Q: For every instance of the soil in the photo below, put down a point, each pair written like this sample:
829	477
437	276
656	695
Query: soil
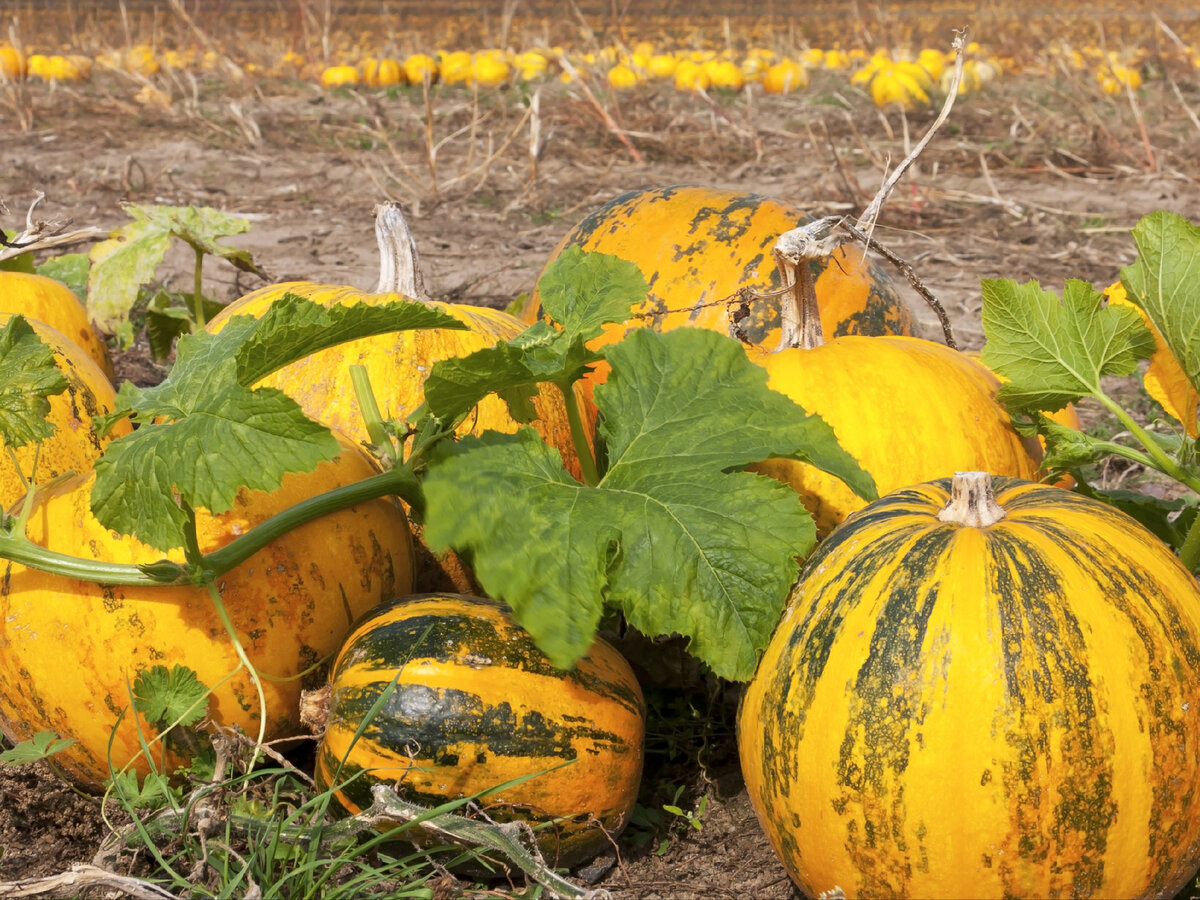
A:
1033	178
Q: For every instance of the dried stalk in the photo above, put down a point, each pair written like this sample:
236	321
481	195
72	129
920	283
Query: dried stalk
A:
609	123
41	234
80	878
794	249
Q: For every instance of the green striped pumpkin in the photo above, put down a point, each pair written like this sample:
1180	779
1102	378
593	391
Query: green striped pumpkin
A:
959	705
475	705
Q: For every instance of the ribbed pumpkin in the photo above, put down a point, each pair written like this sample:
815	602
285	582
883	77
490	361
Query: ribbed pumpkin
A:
909	410
698	245
52	302
70	649
476	704
978	694
397	363
74	445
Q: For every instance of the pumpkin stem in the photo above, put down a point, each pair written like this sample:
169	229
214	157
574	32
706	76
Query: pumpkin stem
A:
972	501
800	316
314	709
399	270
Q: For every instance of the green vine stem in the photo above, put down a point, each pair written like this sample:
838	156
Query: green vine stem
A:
587	462
197	294
17	547
231	630
1157	458
373	419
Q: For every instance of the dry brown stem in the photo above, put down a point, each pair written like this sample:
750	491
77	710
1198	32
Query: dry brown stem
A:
80	878
42	234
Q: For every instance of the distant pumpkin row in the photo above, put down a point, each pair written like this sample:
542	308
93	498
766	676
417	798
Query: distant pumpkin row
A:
889	76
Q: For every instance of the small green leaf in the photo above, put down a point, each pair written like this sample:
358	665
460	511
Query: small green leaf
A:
41	746
70	269
674	535
120	266
170	697
28	378
583	291
1164	282
155	792
1055	352
201	226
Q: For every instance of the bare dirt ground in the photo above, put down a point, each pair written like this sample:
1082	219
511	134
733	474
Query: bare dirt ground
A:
1033	178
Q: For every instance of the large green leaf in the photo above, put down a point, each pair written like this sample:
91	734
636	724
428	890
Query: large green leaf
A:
674	535
204	432
1053	352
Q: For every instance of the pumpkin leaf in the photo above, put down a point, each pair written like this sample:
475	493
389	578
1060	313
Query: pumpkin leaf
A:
41	746
674	535
1056	351
28	378
201	226
70	269
120	266
584	291
204	433
1162	282
581	292
132	254
169	697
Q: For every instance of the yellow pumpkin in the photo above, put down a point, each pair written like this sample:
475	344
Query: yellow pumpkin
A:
52	302
70	649
697	246
74	445
909	410
982	688
472	704
397	363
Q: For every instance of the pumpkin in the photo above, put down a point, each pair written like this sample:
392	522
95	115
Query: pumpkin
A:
74	445
70	649
397	363
697	246
476	704
52	302
908	409
982	688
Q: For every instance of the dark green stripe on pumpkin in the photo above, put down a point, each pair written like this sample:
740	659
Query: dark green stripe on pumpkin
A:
443	636
438	722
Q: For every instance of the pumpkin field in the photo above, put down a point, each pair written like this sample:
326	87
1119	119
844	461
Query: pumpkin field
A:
529	449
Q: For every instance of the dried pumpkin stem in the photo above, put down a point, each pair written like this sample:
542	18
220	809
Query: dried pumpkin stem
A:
399	268
972	502
800	316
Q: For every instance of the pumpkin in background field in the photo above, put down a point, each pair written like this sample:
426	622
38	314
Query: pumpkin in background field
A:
398	363
52	302
697	246
476	704
70	649
74	445
982	695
